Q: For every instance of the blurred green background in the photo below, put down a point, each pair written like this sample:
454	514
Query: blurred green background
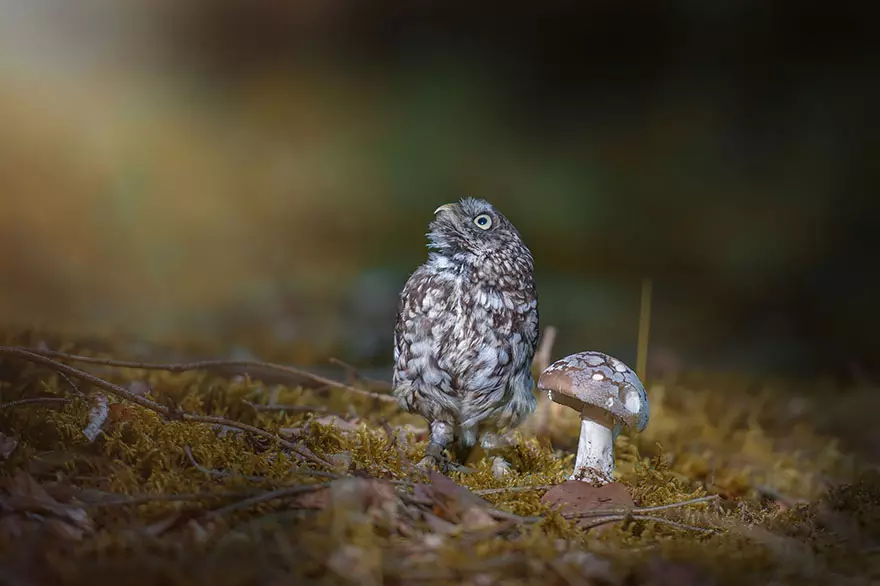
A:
262	173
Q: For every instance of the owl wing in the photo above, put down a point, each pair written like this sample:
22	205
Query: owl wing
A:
424	318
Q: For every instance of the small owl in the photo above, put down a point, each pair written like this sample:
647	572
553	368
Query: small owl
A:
467	328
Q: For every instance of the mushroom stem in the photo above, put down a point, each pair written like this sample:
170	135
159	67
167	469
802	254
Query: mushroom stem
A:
595	455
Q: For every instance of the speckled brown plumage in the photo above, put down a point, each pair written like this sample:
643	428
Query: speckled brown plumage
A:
467	328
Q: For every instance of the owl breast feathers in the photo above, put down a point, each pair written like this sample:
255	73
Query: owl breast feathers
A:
467	325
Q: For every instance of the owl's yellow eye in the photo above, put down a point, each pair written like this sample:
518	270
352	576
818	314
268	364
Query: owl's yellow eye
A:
483	221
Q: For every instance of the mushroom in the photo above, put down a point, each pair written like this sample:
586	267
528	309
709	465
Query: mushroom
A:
607	393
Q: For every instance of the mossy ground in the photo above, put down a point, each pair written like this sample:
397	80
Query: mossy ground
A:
795	507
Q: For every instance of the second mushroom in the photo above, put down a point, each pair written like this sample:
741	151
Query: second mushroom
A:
607	394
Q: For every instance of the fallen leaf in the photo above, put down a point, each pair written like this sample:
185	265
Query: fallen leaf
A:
457	504
33	506
576	497
7	445
120	412
319	499
438	525
660	572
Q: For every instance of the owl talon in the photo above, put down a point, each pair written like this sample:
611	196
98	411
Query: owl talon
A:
427	463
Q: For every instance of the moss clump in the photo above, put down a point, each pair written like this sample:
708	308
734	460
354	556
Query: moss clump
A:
795	507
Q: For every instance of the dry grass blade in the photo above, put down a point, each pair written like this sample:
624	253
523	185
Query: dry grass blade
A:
212	364
30	356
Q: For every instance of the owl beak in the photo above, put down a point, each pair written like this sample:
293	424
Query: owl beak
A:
444	207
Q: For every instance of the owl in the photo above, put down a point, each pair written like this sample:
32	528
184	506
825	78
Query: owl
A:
466	331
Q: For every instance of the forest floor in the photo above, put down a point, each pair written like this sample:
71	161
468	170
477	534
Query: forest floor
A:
146	476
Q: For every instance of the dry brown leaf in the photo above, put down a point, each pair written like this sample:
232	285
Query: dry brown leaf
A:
660	572
438	525
373	497
319	499
120	412
575	497
25	496
457	504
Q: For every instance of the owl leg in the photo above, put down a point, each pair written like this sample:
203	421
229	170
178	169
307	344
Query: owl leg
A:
441	437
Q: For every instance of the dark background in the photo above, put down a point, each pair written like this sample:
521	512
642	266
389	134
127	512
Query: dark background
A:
262	173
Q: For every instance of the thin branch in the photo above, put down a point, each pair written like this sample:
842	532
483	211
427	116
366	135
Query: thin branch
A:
155	498
544	355
639	510
211	364
217	473
269	496
214	472
353	369
72	384
165	410
512	489
617	518
293	408
35	400
702	499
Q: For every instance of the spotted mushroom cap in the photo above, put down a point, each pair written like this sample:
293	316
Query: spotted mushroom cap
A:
597	379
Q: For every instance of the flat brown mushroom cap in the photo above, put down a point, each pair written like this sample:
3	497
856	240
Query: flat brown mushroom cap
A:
596	379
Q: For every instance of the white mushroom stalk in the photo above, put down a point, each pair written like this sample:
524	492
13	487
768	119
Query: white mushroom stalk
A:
607	394
595	455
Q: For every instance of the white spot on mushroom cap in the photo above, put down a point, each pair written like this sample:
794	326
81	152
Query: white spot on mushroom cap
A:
598	376
633	402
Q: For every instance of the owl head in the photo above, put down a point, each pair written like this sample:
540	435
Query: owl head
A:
472	226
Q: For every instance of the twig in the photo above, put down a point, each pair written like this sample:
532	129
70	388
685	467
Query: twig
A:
227	473
544	355
165	410
155	498
702	499
354	370
72	384
512	489
295	408
211	364
269	496
778	496
214	473
617	518
35	400
638	510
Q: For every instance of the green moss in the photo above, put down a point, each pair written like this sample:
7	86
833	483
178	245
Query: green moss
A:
705	437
